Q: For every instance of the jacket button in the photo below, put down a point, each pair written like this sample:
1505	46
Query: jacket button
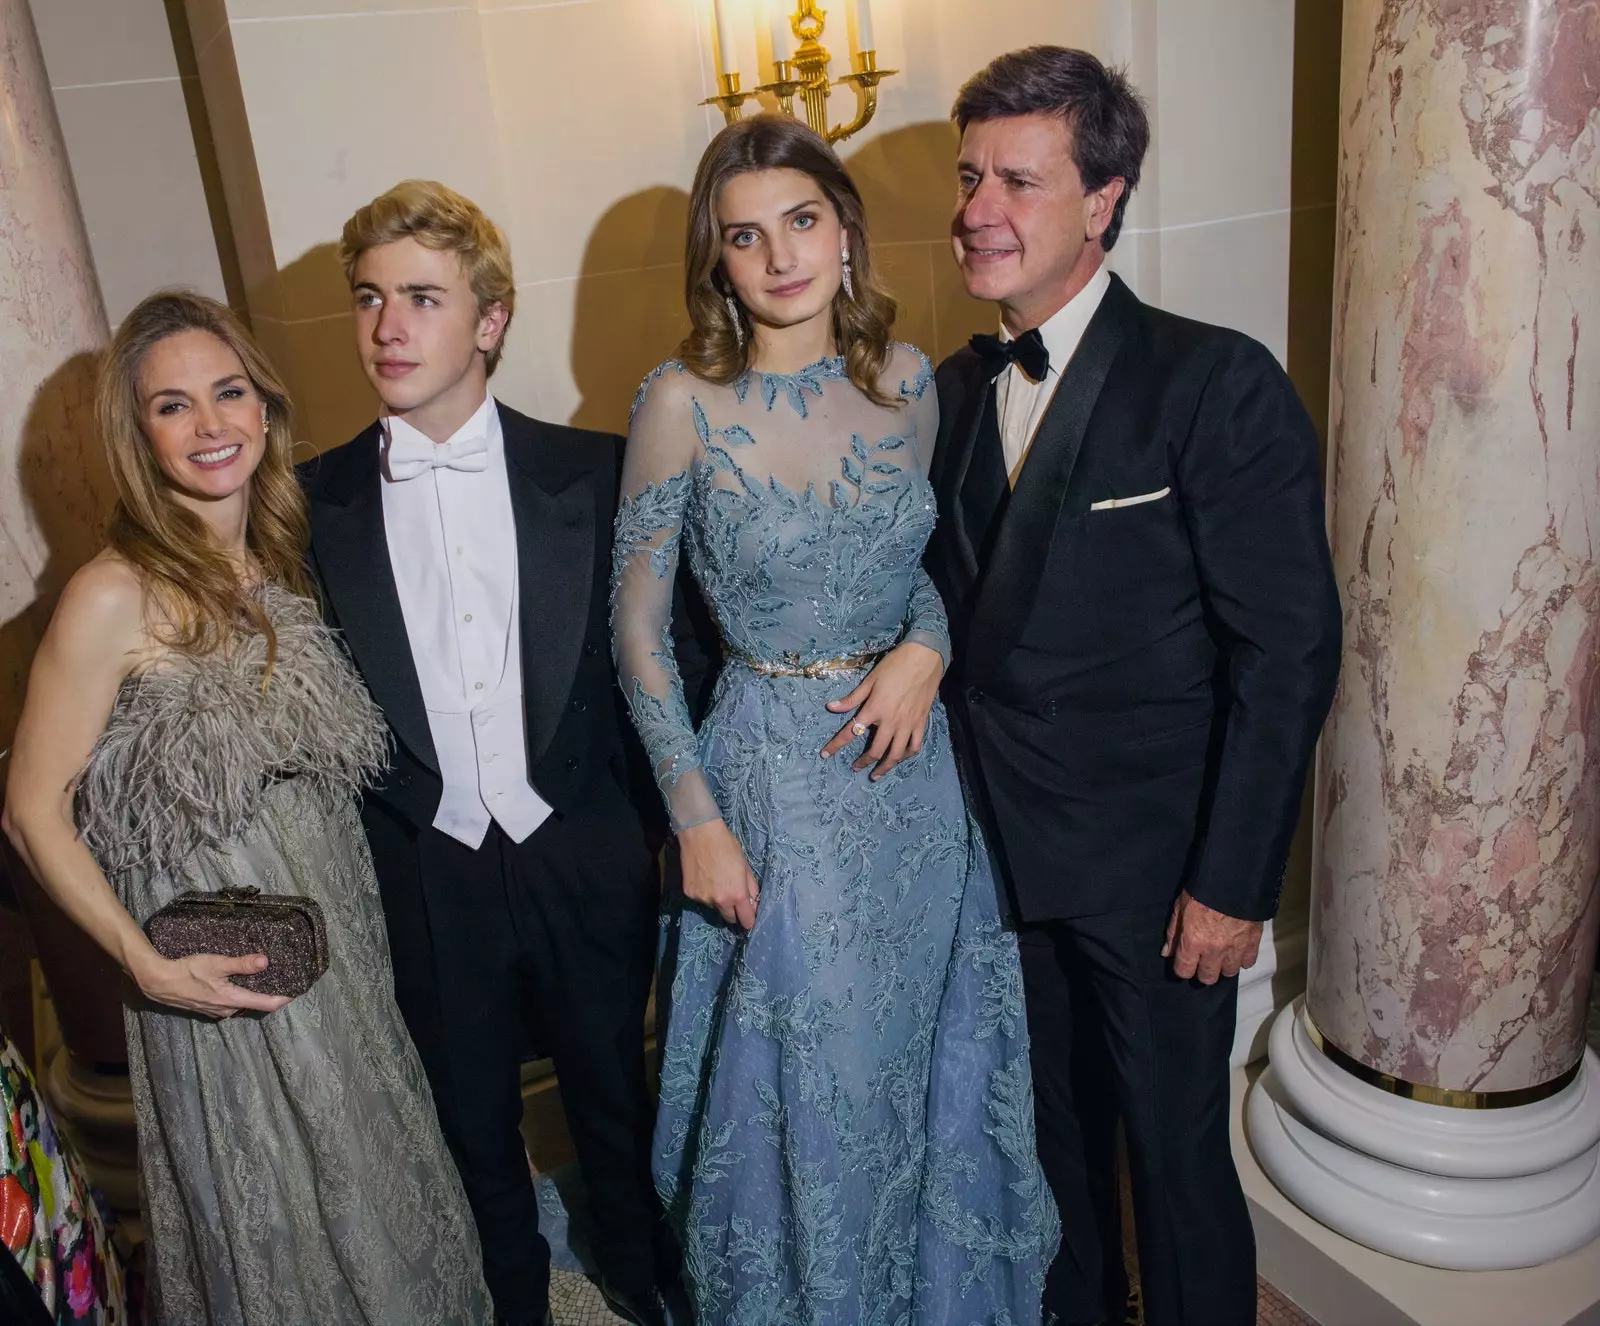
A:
403	779
590	649
1049	708
572	764
974	695
579	705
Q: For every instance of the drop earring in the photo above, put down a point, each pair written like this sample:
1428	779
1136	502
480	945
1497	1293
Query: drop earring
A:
738	322
849	284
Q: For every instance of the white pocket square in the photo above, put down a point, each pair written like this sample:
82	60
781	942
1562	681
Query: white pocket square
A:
1112	503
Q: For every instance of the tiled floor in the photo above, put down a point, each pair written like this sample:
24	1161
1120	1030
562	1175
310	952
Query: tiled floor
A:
1273	1309
574	1301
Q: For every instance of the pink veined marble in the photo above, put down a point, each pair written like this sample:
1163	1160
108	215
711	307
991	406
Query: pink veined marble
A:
1454	905
53	480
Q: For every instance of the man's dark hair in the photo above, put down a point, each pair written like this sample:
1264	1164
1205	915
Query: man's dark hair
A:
1106	115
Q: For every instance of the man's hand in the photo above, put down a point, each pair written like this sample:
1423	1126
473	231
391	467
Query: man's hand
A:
1204	943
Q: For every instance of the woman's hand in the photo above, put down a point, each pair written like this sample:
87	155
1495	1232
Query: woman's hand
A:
715	873
895	698
200	984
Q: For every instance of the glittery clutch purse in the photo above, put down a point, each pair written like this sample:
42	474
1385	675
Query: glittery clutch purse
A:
236	922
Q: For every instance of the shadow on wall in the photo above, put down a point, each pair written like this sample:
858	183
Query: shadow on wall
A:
629	312
628	315
317	356
65	486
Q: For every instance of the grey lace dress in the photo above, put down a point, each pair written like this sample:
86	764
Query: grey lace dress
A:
293	1169
846	1131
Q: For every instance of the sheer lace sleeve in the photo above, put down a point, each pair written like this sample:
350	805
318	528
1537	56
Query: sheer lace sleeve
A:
656	479
926	623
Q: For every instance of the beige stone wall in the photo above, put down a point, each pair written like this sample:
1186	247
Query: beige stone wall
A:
53	482
576	125
127	93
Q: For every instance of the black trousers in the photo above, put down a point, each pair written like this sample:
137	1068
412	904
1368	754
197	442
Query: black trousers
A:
1116	1036
548	943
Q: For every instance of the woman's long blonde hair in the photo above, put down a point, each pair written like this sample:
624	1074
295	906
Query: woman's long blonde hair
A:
200	590
862	326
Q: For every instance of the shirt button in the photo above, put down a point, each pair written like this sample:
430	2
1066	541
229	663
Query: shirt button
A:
477	685
467	618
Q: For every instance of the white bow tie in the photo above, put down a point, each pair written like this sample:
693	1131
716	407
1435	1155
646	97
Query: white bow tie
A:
411	454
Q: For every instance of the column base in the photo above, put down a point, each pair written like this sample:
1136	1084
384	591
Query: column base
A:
1488	1189
93	1110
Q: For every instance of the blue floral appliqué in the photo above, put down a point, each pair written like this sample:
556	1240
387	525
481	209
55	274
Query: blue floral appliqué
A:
793	386
845	1134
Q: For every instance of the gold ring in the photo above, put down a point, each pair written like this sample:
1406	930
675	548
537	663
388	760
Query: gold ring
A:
860	729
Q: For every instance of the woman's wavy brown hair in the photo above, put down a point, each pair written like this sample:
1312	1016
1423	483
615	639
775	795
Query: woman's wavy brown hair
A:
194	582
862	326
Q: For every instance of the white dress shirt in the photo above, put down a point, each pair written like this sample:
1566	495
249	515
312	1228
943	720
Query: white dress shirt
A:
1021	402
453	547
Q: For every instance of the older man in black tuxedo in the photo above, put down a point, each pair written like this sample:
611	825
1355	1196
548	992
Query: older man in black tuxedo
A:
1131	546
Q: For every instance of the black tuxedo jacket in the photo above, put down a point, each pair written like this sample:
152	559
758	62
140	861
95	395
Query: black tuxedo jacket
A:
564	484
1140	687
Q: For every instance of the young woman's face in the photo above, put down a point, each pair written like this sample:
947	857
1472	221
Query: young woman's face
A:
203	418
782	245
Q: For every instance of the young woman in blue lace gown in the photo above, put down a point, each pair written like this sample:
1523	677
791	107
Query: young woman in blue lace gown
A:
846	1128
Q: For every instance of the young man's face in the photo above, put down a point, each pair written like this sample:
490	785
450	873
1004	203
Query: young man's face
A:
421	337
1023	220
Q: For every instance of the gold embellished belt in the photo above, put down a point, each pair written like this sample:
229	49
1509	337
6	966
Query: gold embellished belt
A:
791	666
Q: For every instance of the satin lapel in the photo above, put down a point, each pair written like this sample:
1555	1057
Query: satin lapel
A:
963	438
352	551
1022	546
554	510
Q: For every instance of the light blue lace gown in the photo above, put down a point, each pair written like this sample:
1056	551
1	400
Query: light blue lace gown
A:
846	1130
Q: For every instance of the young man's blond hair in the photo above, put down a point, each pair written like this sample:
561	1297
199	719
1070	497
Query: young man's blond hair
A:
438	218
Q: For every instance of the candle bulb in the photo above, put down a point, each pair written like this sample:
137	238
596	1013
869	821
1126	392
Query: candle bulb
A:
782	33
861	25
719	11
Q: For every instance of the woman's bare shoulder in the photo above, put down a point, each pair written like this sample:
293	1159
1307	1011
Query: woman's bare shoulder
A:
103	608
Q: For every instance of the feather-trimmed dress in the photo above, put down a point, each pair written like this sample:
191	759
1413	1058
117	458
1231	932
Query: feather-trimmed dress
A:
293	1168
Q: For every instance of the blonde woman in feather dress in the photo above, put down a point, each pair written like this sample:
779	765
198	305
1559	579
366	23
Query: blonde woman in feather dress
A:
192	725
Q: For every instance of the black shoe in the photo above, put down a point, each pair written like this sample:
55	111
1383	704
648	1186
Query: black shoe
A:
641	1307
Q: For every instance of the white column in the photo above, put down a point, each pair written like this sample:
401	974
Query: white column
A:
1433	1098
53	498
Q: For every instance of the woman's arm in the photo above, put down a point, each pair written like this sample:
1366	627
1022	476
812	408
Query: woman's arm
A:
894	700
656	478
93	643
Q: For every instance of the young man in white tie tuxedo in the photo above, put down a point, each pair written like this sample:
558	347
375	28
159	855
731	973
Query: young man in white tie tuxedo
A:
1146	641
464	551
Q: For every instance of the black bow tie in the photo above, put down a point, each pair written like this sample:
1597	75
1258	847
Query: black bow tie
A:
1027	352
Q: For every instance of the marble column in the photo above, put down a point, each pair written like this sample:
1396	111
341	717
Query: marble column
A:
54	492
1432	1098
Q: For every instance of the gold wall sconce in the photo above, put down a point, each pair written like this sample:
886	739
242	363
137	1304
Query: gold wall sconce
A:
801	64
